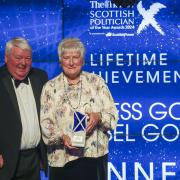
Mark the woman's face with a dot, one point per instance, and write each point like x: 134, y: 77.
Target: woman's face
x: 71, y: 63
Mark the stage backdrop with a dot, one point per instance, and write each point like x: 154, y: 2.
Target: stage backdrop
x: 136, y: 51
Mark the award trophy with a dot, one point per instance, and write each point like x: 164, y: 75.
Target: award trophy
x: 79, y: 133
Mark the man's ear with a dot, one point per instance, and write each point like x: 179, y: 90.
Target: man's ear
x: 6, y: 58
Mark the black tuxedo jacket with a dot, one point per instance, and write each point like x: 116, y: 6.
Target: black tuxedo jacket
x: 10, y: 122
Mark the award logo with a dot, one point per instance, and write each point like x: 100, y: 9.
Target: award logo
x: 79, y: 133
x: 148, y: 17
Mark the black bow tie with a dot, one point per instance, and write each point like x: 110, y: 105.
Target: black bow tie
x: 18, y: 82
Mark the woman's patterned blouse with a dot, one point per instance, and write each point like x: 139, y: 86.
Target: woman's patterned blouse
x: 58, y: 99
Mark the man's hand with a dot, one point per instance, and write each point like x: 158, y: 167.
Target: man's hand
x: 94, y: 119
x: 1, y: 161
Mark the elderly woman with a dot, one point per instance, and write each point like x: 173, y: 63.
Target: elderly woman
x: 75, y: 91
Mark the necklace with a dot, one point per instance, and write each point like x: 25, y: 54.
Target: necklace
x: 66, y: 93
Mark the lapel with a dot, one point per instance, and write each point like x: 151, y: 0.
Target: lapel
x: 6, y: 79
x: 35, y: 87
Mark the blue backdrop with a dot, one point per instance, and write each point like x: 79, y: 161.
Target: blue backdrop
x: 136, y: 50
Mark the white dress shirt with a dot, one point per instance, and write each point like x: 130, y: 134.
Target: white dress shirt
x: 29, y: 118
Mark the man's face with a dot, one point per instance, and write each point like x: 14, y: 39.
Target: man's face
x: 19, y: 62
x: 71, y: 62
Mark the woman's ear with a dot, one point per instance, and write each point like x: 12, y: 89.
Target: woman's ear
x: 83, y: 62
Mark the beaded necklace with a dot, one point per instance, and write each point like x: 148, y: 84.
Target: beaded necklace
x: 79, y: 94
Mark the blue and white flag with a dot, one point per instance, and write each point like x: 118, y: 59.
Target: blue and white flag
x: 80, y: 121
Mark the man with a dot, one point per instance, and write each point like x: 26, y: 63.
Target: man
x: 21, y: 146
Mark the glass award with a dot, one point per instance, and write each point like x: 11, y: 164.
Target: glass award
x: 79, y: 129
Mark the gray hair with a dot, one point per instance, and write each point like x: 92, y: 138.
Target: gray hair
x: 17, y: 42
x: 69, y: 44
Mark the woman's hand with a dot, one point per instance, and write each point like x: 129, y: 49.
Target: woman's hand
x: 67, y: 143
x: 94, y: 119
